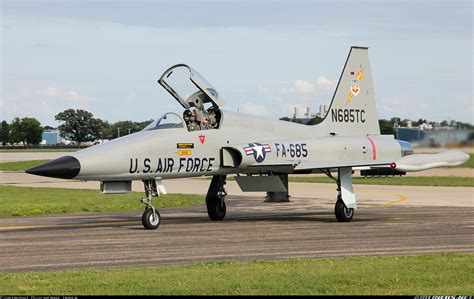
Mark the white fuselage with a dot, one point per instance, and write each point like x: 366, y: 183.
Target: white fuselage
x: 272, y: 145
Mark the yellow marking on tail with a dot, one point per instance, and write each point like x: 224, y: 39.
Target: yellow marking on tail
x: 358, y: 77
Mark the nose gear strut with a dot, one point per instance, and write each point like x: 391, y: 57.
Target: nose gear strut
x: 151, y: 218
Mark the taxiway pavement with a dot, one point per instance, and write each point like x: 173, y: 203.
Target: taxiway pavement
x: 390, y: 220
x: 253, y: 229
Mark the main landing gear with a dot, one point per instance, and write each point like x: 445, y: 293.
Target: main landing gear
x: 151, y: 218
x: 346, y: 202
x: 343, y: 214
x: 215, y: 198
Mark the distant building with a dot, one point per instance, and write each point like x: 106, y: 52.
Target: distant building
x: 51, y: 137
x: 322, y: 112
x: 308, y: 115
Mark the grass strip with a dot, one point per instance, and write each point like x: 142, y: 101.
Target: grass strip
x: 38, y: 150
x: 20, y: 165
x: 28, y: 201
x: 441, y: 274
x: 469, y: 163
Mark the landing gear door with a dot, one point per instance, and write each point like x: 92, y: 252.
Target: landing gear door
x: 189, y: 87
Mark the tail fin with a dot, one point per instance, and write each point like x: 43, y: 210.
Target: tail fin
x: 352, y: 110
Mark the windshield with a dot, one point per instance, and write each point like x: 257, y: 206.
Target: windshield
x: 169, y: 120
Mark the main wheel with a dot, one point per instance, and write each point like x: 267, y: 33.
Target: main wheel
x: 343, y: 214
x: 151, y: 220
x: 216, y: 208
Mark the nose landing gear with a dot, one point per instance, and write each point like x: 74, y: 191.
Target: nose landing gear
x: 151, y: 218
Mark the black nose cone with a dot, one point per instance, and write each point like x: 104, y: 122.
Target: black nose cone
x: 66, y: 167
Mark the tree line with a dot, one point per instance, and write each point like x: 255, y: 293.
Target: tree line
x: 76, y: 125
x: 81, y: 126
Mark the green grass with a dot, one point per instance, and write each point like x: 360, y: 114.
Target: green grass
x: 443, y: 274
x: 38, y: 150
x: 469, y: 163
x: 26, y: 201
x: 20, y: 165
x: 404, y: 181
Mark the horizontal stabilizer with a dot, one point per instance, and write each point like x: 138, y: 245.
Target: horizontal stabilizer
x: 418, y: 162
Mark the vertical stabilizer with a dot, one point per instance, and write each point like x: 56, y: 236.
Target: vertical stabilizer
x: 352, y: 110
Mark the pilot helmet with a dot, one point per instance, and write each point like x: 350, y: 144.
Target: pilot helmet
x: 187, y: 113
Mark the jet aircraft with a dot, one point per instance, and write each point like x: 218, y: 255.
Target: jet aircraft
x: 206, y: 140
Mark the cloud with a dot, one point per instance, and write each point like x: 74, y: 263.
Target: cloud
x: 325, y: 84
x: 300, y: 93
x: 302, y: 86
x: 321, y: 85
x: 42, y: 103
x: 394, y: 19
x: 50, y: 92
x: 54, y: 92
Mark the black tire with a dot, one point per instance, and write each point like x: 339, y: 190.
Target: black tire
x: 343, y: 214
x: 216, y: 208
x: 149, y: 221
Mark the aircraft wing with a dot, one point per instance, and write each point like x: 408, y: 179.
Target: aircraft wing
x: 338, y: 164
x: 409, y: 163
x: 314, y: 165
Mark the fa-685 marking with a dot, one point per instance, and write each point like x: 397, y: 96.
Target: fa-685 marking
x: 293, y: 150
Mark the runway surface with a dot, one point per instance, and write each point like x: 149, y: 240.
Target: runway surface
x: 303, y: 228
x: 391, y: 220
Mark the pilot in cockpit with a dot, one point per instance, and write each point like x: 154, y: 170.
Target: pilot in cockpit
x: 189, y: 120
x: 201, y: 119
x: 212, y: 117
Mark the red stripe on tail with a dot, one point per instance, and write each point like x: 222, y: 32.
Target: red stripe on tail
x: 374, y: 150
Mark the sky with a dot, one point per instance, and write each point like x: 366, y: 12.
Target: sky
x: 263, y: 57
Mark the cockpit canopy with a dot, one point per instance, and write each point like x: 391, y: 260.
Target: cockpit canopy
x: 169, y: 120
x: 199, y: 99
x: 188, y: 87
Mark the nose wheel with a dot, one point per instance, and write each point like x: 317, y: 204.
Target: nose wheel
x: 151, y: 219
